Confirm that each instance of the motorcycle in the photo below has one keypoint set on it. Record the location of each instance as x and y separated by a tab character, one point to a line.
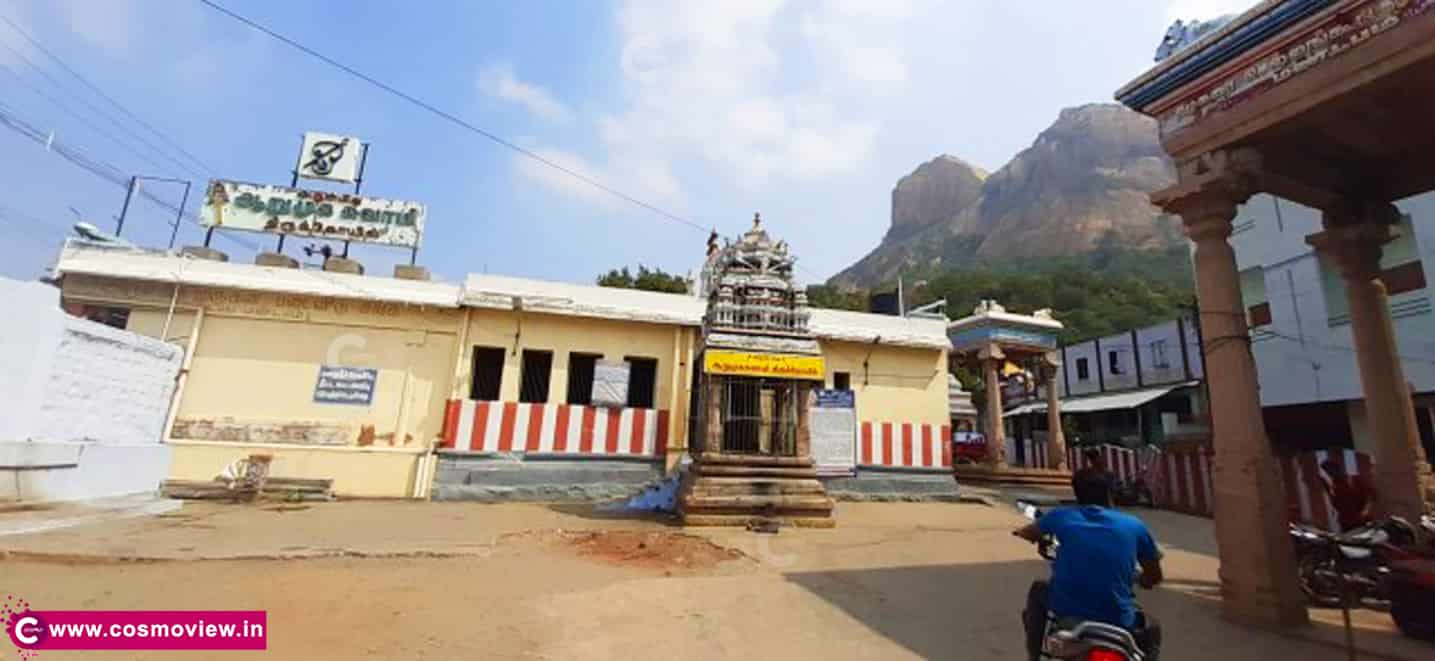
1133	494
1355	564
1074	639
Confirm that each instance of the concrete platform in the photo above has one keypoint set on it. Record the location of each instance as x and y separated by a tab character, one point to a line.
31	518
889	485
512	478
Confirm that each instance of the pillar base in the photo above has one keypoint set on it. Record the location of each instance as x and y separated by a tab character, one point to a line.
411	272
343	265
735	490
276	259
202	252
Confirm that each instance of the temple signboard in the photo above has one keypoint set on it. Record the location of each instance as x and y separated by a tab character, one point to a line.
740	363
318	214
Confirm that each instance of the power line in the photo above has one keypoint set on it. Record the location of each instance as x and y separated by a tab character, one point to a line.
454	119
99	168
63	108
104	96
98	111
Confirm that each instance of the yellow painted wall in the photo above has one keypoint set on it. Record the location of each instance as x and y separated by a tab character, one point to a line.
357	472
901	384
562	335
150	322
265	370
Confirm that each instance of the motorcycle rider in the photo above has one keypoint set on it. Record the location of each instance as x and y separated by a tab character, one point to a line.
1092	576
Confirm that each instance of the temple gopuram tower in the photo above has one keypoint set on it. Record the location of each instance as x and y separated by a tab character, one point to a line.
751	448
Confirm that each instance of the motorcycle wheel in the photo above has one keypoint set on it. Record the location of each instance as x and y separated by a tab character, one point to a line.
1413	610
1314	567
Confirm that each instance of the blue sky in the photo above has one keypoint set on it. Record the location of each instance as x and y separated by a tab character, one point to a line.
806	111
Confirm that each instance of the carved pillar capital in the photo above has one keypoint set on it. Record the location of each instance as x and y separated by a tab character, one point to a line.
1211	187
1355	248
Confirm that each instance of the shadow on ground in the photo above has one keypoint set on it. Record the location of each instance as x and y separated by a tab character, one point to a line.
614	512
973	611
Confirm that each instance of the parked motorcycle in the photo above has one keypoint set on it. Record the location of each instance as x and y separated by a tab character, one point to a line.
1354	564
1074	639
1133	494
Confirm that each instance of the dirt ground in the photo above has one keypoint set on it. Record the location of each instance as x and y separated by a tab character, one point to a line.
379	580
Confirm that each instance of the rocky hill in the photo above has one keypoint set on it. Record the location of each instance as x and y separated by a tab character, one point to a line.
1082	183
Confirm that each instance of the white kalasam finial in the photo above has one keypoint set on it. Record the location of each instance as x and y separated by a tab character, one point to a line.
756	219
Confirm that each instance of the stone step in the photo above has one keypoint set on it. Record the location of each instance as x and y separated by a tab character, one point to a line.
756	504
754	472
716	459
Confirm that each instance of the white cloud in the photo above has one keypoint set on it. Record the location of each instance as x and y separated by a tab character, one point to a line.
113	26
498	80
712	83
561	182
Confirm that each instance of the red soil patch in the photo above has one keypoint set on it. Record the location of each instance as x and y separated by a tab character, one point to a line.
647	549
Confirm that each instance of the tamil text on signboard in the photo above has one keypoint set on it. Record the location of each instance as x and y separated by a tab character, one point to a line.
346	385
782	366
833	420
338	216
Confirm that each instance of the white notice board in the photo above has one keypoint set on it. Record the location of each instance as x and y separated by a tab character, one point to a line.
833	424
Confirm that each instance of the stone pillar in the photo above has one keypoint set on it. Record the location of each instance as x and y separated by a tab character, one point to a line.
712	418
1258	577
1353	243
992	359
805	397
1055	437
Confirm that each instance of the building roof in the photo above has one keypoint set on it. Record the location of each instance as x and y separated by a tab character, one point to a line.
507	293
1246	32
96	259
478	290
1129	399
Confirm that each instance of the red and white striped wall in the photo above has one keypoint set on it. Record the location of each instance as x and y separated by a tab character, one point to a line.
1183	481
473	426
1305	492
905	445
1126	463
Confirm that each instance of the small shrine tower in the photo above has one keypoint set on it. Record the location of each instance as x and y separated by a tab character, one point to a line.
752	458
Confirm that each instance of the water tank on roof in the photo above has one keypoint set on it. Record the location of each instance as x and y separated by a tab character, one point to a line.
884	303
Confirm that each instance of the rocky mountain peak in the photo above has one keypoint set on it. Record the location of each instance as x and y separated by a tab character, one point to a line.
1084	177
928	194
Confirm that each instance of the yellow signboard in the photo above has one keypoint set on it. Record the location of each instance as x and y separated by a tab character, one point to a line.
770	365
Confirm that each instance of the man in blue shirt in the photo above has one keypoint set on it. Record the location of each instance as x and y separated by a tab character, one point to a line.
1099	549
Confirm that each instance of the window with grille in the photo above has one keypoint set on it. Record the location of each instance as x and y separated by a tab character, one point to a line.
1159	359
487	373
1115	359
1083	372
642	382
841	381
759	416
580	377
537	372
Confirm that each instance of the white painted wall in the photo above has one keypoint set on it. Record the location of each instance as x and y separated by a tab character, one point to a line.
1300	357
1168	337
1074	354
1121	349
83	406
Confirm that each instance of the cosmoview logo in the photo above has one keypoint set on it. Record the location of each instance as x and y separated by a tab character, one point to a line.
34	631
